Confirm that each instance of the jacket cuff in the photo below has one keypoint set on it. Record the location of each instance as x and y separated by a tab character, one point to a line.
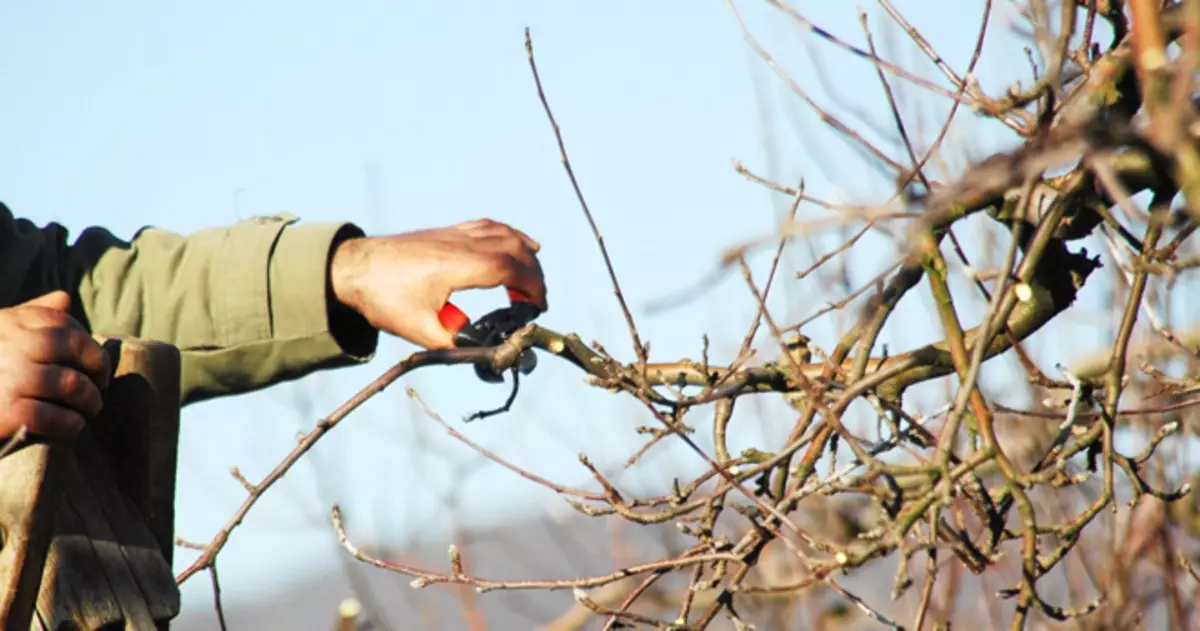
304	312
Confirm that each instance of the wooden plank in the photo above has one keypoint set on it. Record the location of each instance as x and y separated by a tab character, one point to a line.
29	476
126	534
75	593
88	524
141	432
112	580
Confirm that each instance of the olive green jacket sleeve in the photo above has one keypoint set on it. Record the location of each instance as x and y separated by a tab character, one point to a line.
249	305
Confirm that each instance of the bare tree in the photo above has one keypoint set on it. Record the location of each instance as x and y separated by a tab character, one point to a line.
1058	498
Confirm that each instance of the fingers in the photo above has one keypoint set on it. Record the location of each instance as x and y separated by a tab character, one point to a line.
533	245
513	263
489	228
51	370
56	300
43	418
60	385
526	279
67	346
54	337
415	273
519	271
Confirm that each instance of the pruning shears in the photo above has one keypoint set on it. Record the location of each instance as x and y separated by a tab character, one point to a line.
492	329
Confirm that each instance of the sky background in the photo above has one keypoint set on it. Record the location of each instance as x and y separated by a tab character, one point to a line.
407	115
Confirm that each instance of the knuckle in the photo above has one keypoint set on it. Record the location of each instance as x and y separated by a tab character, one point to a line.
53	342
39	341
45	320
70	382
512	245
507	261
59	336
524	257
80	343
481	222
52	317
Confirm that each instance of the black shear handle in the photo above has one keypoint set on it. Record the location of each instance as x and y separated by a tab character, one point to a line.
454	320
492	329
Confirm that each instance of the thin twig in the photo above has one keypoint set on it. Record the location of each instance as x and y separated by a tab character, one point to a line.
612	275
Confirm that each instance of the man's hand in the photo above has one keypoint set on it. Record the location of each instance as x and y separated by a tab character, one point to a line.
399	283
51	369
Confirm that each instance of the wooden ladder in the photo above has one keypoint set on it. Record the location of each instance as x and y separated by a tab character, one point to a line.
87	524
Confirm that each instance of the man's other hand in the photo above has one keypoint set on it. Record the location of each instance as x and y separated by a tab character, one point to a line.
399	283
51	369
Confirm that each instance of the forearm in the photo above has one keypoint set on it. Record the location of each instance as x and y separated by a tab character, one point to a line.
248	305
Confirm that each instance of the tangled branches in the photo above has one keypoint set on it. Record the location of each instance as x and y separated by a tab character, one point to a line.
1110	141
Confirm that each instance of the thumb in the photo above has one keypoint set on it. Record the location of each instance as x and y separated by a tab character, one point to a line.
430	333
58	300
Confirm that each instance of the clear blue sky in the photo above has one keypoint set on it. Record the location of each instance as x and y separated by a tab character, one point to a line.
407	115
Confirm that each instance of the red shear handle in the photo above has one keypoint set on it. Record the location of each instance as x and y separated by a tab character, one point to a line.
516	295
453	318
